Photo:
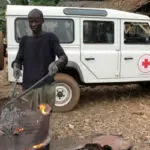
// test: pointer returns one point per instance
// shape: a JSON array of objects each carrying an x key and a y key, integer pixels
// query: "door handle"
[
  {"x": 128, "y": 58},
  {"x": 89, "y": 59}
]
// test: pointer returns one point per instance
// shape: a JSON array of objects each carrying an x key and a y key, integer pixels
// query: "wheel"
[{"x": 67, "y": 93}]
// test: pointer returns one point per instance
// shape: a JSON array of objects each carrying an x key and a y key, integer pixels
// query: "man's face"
[{"x": 35, "y": 24}]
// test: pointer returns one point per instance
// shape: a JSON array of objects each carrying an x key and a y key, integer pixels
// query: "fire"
[
  {"x": 44, "y": 108},
  {"x": 18, "y": 130},
  {"x": 38, "y": 146},
  {"x": 41, "y": 145}
]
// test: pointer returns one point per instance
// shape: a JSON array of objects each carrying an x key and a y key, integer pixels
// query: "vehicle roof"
[{"x": 21, "y": 10}]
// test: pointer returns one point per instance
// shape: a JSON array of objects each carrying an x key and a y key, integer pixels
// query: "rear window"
[
  {"x": 136, "y": 33},
  {"x": 63, "y": 28}
]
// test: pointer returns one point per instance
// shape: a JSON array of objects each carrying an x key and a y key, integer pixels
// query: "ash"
[
  {"x": 11, "y": 115},
  {"x": 17, "y": 114}
]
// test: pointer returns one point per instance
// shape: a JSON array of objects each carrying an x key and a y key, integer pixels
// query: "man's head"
[{"x": 36, "y": 19}]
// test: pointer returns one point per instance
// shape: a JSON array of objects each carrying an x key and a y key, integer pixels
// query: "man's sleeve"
[
  {"x": 62, "y": 57},
  {"x": 19, "y": 58}
]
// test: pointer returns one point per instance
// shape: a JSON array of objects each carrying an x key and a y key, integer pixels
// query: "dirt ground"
[
  {"x": 115, "y": 109},
  {"x": 111, "y": 110}
]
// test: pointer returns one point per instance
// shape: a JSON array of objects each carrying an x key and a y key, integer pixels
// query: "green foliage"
[
  {"x": 19, "y": 2},
  {"x": 3, "y": 3},
  {"x": 2, "y": 25},
  {"x": 2, "y": 19},
  {"x": 32, "y": 2},
  {"x": 44, "y": 2}
]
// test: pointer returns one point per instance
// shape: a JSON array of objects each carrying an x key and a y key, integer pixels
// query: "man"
[{"x": 37, "y": 56}]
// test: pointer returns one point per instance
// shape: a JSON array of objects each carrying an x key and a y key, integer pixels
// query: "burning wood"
[{"x": 18, "y": 131}]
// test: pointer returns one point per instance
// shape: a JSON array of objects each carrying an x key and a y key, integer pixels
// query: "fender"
[{"x": 75, "y": 66}]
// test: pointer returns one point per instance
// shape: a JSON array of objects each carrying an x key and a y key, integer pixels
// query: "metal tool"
[
  {"x": 14, "y": 89},
  {"x": 26, "y": 91}
]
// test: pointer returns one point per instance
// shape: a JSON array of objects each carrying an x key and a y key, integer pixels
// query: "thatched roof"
[{"x": 126, "y": 5}]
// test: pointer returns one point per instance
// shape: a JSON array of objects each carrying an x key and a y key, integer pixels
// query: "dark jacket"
[{"x": 35, "y": 54}]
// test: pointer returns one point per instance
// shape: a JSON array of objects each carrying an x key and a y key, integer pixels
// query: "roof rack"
[{"x": 84, "y": 12}]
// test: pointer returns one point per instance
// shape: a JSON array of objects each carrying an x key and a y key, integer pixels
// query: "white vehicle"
[{"x": 103, "y": 46}]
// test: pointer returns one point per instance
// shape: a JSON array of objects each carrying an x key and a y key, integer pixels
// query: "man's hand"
[
  {"x": 16, "y": 72},
  {"x": 52, "y": 68}
]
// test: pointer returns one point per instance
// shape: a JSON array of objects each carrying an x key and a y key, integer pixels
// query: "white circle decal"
[{"x": 144, "y": 63}]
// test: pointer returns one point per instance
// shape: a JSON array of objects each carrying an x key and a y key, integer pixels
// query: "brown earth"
[{"x": 115, "y": 109}]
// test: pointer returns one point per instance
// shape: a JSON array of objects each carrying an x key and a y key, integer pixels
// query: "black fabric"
[{"x": 35, "y": 54}]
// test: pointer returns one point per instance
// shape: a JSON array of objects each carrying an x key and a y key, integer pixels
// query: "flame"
[
  {"x": 43, "y": 144},
  {"x": 44, "y": 108},
  {"x": 38, "y": 146},
  {"x": 18, "y": 130}
]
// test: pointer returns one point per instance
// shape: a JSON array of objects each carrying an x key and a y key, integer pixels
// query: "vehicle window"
[
  {"x": 63, "y": 28},
  {"x": 98, "y": 32},
  {"x": 136, "y": 33}
]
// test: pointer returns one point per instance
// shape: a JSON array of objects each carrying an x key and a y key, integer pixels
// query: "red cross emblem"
[{"x": 146, "y": 63}]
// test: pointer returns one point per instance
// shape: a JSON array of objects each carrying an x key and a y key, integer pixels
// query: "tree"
[
  {"x": 44, "y": 2},
  {"x": 19, "y": 2},
  {"x": 2, "y": 20},
  {"x": 3, "y": 3}
]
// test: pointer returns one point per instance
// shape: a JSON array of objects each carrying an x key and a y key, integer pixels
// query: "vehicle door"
[
  {"x": 100, "y": 46},
  {"x": 135, "y": 49}
]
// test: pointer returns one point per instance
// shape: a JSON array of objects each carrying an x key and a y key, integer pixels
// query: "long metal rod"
[
  {"x": 30, "y": 88},
  {"x": 27, "y": 90},
  {"x": 14, "y": 89}
]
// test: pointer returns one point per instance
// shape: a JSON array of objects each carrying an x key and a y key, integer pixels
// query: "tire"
[{"x": 67, "y": 93}]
